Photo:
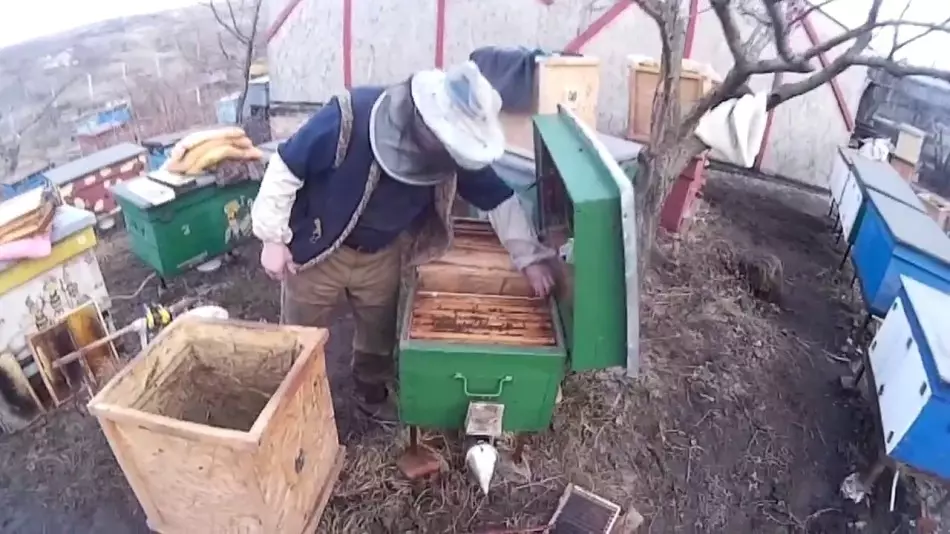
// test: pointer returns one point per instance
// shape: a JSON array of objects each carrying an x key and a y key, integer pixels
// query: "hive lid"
[
  {"x": 78, "y": 168},
  {"x": 881, "y": 177},
  {"x": 586, "y": 212},
  {"x": 912, "y": 228},
  {"x": 930, "y": 306}
]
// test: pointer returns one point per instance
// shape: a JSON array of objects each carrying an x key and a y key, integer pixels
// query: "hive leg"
[
  {"x": 845, "y": 257},
  {"x": 520, "y": 442}
]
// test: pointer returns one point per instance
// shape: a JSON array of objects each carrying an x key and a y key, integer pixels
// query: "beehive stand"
[{"x": 226, "y": 426}]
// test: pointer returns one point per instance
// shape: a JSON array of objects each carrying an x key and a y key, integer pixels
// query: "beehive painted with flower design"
[{"x": 85, "y": 182}]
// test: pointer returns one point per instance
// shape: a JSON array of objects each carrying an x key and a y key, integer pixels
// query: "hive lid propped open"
[{"x": 586, "y": 212}]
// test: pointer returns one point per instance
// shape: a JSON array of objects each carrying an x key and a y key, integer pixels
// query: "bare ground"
[{"x": 737, "y": 424}]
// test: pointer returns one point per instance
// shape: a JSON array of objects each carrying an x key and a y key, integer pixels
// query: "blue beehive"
[
  {"x": 160, "y": 147},
  {"x": 895, "y": 239},
  {"x": 864, "y": 175},
  {"x": 910, "y": 361}
]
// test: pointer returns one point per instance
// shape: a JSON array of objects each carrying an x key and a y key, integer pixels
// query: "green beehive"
[
  {"x": 173, "y": 229},
  {"x": 473, "y": 334}
]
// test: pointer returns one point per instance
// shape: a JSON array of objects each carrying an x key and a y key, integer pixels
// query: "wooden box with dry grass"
[{"x": 225, "y": 426}]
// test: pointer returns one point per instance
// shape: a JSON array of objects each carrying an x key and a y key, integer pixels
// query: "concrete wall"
[{"x": 391, "y": 40}]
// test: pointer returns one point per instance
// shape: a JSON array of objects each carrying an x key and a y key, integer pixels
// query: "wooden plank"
[
  {"x": 22, "y": 404},
  {"x": 138, "y": 483},
  {"x": 456, "y": 279},
  {"x": 327, "y": 491},
  {"x": 55, "y": 381},
  {"x": 483, "y": 338},
  {"x": 481, "y": 318}
]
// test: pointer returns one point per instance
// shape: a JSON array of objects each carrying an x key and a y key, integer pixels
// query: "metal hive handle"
[{"x": 501, "y": 386}]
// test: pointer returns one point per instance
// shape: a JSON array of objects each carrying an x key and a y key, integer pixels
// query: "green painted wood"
[
  {"x": 196, "y": 227},
  {"x": 435, "y": 377},
  {"x": 594, "y": 313}
]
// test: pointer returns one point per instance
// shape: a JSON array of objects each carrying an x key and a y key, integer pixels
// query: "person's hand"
[
  {"x": 277, "y": 261},
  {"x": 540, "y": 277}
]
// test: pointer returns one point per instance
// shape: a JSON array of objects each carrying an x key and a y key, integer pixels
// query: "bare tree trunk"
[
  {"x": 248, "y": 62},
  {"x": 653, "y": 182}
]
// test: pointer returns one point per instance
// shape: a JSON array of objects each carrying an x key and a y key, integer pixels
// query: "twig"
[
  {"x": 819, "y": 513},
  {"x": 839, "y": 359},
  {"x": 137, "y": 291}
]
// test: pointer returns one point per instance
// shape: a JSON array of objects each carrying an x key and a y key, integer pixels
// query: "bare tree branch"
[
  {"x": 233, "y": 28},
  {"x": 866, "y": 29},
  {"x": 897, "y": 29},
  {"x": 780, "y": 31},
  {"x": 730, "y": 30},
  {"x": 943, "y": 26},
  {"x": 248, "y": 59},
  {"x": 804, "y": 14},
  {"x": 897, "y": 69}
]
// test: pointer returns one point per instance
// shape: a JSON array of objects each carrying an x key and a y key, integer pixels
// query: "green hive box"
[
  {"x": 463, "y": 340},
  {"x": 202, "y": 222}
]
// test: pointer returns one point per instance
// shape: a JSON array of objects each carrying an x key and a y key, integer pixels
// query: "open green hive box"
[
  {"x": 173, "y": 229},
  {"x": 472, "y": 331}
]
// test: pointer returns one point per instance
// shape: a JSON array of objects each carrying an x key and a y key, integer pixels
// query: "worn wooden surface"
[
  {"x": 269, "y": 463},
  {"x": 502, "y": 320},
  {"x": 573, "y": 82},
  {"x": 477, "y": 263}
]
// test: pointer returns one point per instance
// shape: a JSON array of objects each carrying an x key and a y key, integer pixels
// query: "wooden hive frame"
[
  {"x": 474, "y": 294},
  {"x": 261, "y": 458},
  {"x": 75, "y": 330},
  {"x": 477, "y": 263}
]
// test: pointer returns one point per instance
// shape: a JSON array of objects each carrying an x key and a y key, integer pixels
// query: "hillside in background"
[{"x": 171, "y": 66}]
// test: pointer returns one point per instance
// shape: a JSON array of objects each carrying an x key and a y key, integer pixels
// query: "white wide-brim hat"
[{"x": 462, "y": 109}]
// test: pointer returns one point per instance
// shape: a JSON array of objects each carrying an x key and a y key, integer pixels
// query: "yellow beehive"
[{"x": 643, "y": 80}]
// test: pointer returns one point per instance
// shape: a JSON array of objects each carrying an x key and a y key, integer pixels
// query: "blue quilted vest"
[{"x": 326, "y": 208}]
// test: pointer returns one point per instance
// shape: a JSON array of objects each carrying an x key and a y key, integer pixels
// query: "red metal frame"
[
  {"x": 439, "y": 33},
  {"x": 597, "y": 25},
  {"x": 348, "y": 43},
  {"x": 691, "y": 28},
  {"x": 835, "y": 86},
  {"x": 281, "y": 19},
  {"x": 763, "y": 147}
]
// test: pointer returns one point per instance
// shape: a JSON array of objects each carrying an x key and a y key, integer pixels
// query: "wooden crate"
[
  {"x": 910, "y": 142},
  {"x": 225, "y": 426},
  {"x": 938, "y": 208},
  {"x": 906, "y": 169},
  {"x": 573, "y": 81},
  {"x": 643, "y": 79}
]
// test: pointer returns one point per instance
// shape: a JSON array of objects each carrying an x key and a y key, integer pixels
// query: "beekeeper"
[{"x": 365, "y": 188}]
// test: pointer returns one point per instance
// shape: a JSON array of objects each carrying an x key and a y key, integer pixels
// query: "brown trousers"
[{"x": 370, "y": 282}]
